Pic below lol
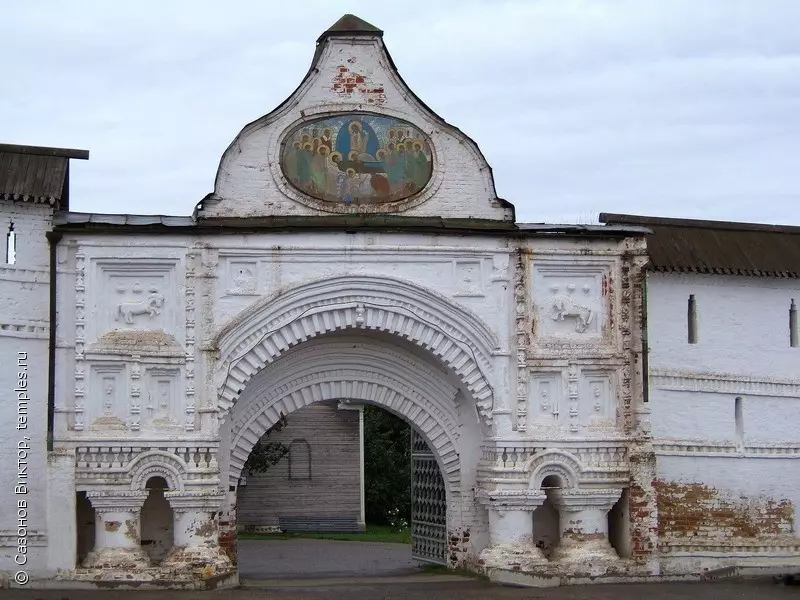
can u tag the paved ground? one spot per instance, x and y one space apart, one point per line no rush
412 589
271 559
330 570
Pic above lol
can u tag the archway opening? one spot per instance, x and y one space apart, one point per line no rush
157 522
296 403
546 531
85 520
619 525
304 476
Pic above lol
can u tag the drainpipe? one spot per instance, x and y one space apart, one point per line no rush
53 238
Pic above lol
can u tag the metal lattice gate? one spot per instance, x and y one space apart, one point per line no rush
428 505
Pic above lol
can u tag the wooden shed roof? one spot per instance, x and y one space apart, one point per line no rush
36 173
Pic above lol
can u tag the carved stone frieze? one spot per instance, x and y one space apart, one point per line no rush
469 278
133 294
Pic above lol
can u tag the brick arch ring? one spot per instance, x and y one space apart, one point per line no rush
560 463
266 330
367 384
157 464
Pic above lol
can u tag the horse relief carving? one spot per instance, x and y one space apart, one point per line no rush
150 305
564 304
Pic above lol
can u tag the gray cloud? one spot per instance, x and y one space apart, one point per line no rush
677 108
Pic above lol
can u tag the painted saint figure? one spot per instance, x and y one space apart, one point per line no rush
358 158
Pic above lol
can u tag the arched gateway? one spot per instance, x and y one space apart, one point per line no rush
353 249
364 339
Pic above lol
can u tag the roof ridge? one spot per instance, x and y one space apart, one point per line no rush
350 24
610 218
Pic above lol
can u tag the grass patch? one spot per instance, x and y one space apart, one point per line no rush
374 533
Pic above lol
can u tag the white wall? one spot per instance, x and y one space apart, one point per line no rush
24 331
249 182
715 470
742 323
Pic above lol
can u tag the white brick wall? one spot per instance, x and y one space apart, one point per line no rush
24 326
249 181
749 470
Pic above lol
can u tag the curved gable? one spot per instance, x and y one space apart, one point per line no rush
353 139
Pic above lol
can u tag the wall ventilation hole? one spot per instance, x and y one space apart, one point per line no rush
11 245
692 320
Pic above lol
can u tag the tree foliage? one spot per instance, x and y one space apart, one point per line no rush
266 454
387 466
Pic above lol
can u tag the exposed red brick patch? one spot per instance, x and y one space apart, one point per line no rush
699 511
346 82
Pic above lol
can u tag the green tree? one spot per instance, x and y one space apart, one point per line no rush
387 466
266 454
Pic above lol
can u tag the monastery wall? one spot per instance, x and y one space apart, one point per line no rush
725 411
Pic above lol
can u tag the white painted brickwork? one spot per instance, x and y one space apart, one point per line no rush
743 470
517 357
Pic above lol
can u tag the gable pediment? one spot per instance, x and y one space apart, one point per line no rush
353 139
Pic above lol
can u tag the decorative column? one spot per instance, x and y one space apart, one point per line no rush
117 531
511 529
196 530
584 524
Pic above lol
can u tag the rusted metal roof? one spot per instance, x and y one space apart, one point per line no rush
718 247
36 174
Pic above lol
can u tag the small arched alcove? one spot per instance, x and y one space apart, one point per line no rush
546 532
157 521
85 520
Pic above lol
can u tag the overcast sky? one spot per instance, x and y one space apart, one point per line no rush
666 107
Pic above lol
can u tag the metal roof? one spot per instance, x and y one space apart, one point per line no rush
110 223
36 174
351 25
718 247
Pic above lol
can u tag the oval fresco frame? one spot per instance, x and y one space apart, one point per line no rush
400 204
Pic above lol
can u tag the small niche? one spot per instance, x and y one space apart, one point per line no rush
157 521
738 416
85 522
619 525
546 531
11 245
692 320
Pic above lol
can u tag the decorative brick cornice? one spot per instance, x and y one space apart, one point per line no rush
104 501
183 502
511 499
333 372
268 329
578 500
722 383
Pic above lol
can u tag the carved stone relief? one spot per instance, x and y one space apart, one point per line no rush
133 295
500 263
545 401
242 277
569 300
149 305
163 400
566 304
469 278
572 398
105 409
597 398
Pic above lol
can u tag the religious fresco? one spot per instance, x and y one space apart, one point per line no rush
357 158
